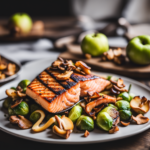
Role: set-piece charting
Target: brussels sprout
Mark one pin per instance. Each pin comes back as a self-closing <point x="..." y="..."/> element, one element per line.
<point x="85" y="123"/>
<point x="23" y="84"/>
<point x="125" y="96"/>
<point x="104" y="121"/>
<point x="125" y="114"/>
<point x="34" y="117"/>
<point x="7" y="102"/>
<point x="131" y="96"/>
<point x="21" y="109"/>
<point x="13" y="88"/>
<point x="113" y="106"/>
<point x="123" y="105"/>
<point x="10" y="111"/>
<point x="34" y="107"/>
<point x="109" y="77"/>
<point x="75" y="113"/>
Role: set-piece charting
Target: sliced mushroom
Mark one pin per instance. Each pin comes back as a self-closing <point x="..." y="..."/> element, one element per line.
<point x="2" y="76"/>
<point x="83" y="104"/>
<point x="12" y="93"/>
<point x="117" y="52"/>
<point x="98" y="109"/>
<point x="120" y="83"/>
<point x="114" y="91"/>
<point x="101" y="100"/>
<point x="110" y="55"/>
<point x="22" y="122"/>
<point x="65" y="126"/>
<point x="37" y="128"/>
<point x="56" y="63"/>
<point x="11" y="67"/>
<point x="83" y="67"/>
<point x="3" y="66"/>
<point x="140" y="119"/>
<point x="114" y="129"/>
<point x="125" y="123"/>
<point x="140" y="106"/>
<point x="86" y="134"/>
<point x="16" y="103"/>
<point x="113" y="81"/>
<point x="95" y="95"/>
<point x="109" y="86"/>
<point x="61" y="133"/>
<point x="21" y="94"/>
<point x="64" y="76"/>
<point x="80" y="71"/>
<point x="120" y="89"/>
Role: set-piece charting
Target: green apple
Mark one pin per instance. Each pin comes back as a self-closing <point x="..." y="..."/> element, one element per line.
<point x="95" y="44"/>
<point x="21" y="21"/>
<point x="138" y="50"/>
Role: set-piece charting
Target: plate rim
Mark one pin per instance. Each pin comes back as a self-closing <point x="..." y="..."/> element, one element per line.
<point x="82" y="142"/>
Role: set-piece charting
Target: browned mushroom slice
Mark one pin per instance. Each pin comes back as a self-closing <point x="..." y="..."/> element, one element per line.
<point x="2" y="76"/>
<point x="110" y="55"/>
<point x="140" y="119"/>
<point x="16" y="103"/>
<point x="114" y="91"/>
<point x="114" y="129"/>
<point x="3" y="66"/>
<point x="80" y="71"/>
<point x="21" y="94"/>
<point x="98" y="109"/>
<point x="56" y="63"/>
<point x="125" y="123"/>
<point x="83" y="67"/>
<point x="11" y="67"/>
<point x="140" y="106"/>
<point x="117" y="52"/>
<point x="64" y="76"/>
<point x="83" y="104"/>
<point x="109" y="86"/>
<point x="113" y="81"/>
<point x="61" y="59"/>
<point x="120" y="89"/>
<point x="95" y="95"/>
<point x="101" y="100"/>
<point x="12" y="93"/>
<point x="22" y="122"/>
<point x="86" y="134"/>
<point x="120" y="83"/>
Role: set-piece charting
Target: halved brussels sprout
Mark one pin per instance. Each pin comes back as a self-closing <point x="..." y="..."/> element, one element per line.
<point x="85" y="123"/>
<point x="131" y="96"/>
<point x="104" y="121"/>
<point x="23" y="84"/>
<point x="113" y="106"/>
<point x="7" y="102"/>
<point x="75" y="113"/>
<point x="125" y="96"/>
<point x="34" y="107"/>
<point x="125" y="115"/>
<point x="34" y="117"/>
<point x="21" y="109"/>
<point x="122" y="105"/>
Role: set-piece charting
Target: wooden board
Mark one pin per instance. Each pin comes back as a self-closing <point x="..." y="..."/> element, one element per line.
<point x="53" y="29"/>
<point x="128" y="69"/>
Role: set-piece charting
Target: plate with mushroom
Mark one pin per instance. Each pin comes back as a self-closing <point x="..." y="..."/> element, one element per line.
<point x="68" y="132"/>
<point x="9" y="68"/>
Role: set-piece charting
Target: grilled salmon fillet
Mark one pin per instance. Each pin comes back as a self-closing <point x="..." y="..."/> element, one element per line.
<point x="54" y="95"/>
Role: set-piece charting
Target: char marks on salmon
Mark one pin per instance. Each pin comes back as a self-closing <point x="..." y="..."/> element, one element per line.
<point x="54" y="95"/>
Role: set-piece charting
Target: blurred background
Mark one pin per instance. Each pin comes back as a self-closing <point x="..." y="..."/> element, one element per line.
<point x="119" y="20"/>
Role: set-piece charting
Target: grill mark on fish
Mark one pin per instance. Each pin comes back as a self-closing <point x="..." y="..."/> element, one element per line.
<point x="78" y="77"/>
<point x="67" y="84"/>
<point x="51" y="83"/>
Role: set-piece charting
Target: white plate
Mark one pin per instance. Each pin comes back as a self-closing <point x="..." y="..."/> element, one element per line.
<point x="30" y="71"/>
